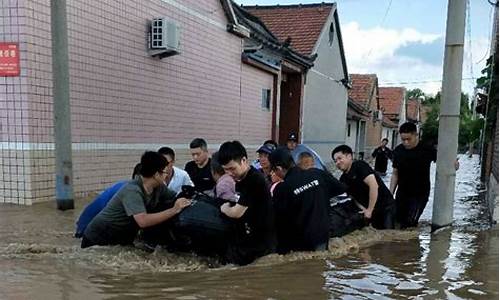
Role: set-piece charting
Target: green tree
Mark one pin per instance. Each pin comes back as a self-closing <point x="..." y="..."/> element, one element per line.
<point x="431" y="125"/>
<point x="489" y="83"/>
<point x="483" y="82"/>
<point x="469" y="128"/>
<point x="414" y="94"/>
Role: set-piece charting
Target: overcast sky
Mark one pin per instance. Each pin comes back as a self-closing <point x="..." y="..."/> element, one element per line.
<point x="402" y="41"/>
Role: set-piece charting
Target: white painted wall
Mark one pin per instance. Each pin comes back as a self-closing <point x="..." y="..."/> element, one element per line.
<point x="350" y="134"/>
<point x="325" y="98"/>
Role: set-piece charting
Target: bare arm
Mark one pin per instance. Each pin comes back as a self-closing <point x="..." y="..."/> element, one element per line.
<point x="372" y="184"/>
<point x="147" y="220"/>
<point x="234" y="212"/>
<point x="394" y="180"/>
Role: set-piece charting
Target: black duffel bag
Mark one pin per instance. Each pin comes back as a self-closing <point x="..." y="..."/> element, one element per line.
<point x="345" y="217"/>
<point x="201" y="227"/>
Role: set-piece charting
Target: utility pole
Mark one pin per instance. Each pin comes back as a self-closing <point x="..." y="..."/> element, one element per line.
<point x="449" y="117"/>
<point x="62" y="115"/>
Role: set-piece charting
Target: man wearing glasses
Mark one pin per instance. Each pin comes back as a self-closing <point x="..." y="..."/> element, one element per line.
<point x="176" y="177"/>
<point x="129" y="210"/>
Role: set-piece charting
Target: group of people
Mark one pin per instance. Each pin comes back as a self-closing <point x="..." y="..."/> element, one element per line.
<point x="278" y="203"/>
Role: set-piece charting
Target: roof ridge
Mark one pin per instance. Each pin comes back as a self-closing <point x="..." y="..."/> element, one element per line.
<point x="256" y="19"/>
<point x="392" y="87"/>
<point x="360" y="74"/>
<point x="274" y="6"/>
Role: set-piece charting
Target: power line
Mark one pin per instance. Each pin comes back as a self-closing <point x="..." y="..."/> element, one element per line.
<point x="386" y="13"/>
<point x="380" y="25"/>
<point x="493" y="3"/>
<point x="469" y="39"/>
<point x="490" y="36"/>
<point x="419" y="81"/>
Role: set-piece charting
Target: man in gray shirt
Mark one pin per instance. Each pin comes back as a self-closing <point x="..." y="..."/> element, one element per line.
<point x="119" y="222"/>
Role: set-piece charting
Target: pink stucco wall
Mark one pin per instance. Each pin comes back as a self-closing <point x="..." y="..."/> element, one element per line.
<point x="122" y="100"/>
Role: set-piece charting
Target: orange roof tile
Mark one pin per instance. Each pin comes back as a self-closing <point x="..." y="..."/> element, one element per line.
<point x="356" y="111"/>
<point x="386" y="122"/>
<point x="412" y="106"/>
<point x="302" y="23"/>
<point x="361" y="87"/>
<point x="391" y="99"/>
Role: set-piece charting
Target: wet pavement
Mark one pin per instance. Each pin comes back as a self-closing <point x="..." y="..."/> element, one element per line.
<point x="39" y="259"/>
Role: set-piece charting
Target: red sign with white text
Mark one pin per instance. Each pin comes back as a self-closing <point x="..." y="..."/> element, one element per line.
<point x="9" y="59"/>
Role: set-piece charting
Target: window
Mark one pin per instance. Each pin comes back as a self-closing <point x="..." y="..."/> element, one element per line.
<point x="266" y="99"/>
<point x="348" y="130"/>
<point x="330" y="34"/>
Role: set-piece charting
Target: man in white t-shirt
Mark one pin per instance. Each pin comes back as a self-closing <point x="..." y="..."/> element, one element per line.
<point x="176" y="177"/>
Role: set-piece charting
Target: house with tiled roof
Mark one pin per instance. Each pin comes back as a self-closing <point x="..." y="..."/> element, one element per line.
<point x="393" y="105"/>
<point x="264" y="52"/>
<point x="215" y="85"/>
<point x="313" y="30"/>
<point x="364" y="91"/>
<point x="413" y="111"/>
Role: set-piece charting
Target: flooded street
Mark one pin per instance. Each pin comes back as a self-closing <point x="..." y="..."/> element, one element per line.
<point x="39" y="259"/>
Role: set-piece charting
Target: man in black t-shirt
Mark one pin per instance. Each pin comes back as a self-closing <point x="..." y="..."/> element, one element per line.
<point x="366" y="188"/>
<point x="382" y="154"/>
<point x="410" y="175"/>
<point x="302" y="204"/>
<point x="253" y="216"/>
<point x="199" y="168"/>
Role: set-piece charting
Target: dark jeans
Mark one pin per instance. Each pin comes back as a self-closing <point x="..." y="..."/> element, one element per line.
<point x="384" y="219"/>
<point x="86" y="242"/>
<point x="241" y="255"/>
<point x="159" y="234"/>
<point x="321" y="247"/>
<point x="410" y="208"/>
<point x="102" y="242"/>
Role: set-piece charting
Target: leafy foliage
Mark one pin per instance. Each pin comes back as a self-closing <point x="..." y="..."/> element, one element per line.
<point x="414" y="94"/>
<point x="469" y="128"/>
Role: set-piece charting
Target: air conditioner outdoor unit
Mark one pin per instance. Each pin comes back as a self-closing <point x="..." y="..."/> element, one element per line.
<point x="164" y="37"/>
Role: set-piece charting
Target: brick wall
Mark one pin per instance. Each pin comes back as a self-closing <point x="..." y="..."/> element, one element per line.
<point x="15" y="126"/>
<point x="122" y="100"/>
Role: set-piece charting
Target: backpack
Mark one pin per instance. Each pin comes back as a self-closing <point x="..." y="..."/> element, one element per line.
<point x="201" y="227"/>
<point x="345" y="218"/>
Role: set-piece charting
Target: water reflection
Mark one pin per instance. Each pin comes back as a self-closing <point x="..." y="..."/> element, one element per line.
<point x="382" y="271"/>
<point x="460" y="262"/>
<point x="444" y="265"/>
<point x="277" y="282"/>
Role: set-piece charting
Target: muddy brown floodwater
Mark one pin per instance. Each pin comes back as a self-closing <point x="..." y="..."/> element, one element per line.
<point x="39" y="259"/>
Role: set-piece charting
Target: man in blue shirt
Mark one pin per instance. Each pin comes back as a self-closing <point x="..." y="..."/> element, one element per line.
<point x="98" y="204"/>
